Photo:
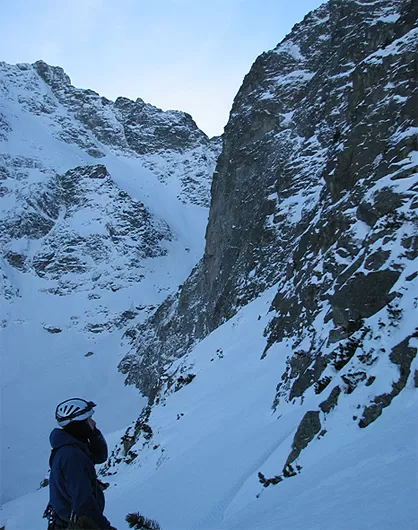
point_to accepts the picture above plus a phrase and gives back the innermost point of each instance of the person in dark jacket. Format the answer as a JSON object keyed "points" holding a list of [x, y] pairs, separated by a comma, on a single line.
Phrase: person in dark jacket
{"points": [[76, 497]]}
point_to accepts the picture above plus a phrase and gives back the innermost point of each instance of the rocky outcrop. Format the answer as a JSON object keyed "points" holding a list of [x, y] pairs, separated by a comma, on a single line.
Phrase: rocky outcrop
{"points": [[402, 355], [363, 295], [308, 428], [315, 192], [331, 401]]}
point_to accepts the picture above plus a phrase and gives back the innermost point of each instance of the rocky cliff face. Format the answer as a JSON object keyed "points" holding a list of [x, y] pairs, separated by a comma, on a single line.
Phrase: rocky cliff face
{"points": [[315, 193]]}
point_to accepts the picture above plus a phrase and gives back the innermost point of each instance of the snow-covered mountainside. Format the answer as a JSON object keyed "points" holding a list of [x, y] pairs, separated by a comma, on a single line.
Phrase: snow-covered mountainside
{"points": [[103, 208], [315, 198], [317, 177], [281, 377]]}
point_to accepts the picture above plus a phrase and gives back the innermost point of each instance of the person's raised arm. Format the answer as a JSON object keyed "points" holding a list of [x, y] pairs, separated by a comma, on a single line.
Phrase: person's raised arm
{"points": [[97, 444]]}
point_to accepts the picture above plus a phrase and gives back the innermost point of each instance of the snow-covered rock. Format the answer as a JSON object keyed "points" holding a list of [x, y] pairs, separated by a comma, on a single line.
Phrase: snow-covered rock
{"points": [[314, 192]]}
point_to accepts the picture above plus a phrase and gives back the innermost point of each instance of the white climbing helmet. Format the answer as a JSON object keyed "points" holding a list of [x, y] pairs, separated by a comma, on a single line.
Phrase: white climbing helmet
{"points": [[73, 409]]}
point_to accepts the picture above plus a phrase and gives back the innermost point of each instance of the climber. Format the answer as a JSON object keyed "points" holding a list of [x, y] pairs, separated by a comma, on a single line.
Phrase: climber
{"points": [[76, 498]]}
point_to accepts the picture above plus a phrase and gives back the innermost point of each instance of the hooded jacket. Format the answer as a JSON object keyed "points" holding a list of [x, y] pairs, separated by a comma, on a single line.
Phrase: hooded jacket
{"points": [[73, 482]]}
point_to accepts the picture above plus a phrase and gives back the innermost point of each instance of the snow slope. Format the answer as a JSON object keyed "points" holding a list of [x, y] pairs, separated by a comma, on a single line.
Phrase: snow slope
{"points": [[200, 469]]}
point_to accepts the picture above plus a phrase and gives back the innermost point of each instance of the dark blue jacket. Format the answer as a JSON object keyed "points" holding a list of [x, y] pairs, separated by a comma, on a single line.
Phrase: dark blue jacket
{"points": [[73, 482]]}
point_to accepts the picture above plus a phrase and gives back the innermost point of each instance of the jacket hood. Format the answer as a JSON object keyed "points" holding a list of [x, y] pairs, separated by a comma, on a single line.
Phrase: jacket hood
{"points": [[59, 437]]}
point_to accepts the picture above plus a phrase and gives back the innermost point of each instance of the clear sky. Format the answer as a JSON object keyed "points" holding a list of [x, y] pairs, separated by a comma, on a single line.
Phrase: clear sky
{"points": [[190, 55]]}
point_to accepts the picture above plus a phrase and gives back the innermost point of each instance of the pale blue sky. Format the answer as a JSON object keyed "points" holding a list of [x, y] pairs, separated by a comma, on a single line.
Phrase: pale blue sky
{"points": [[189, 55]]}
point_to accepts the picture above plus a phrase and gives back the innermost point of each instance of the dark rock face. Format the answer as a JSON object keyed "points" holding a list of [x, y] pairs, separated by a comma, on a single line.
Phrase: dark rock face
{"points": [[312, 192], [385, 201], [308, 428], [403, 354], [17, 260], [363, 295], [305, 378], [332, 400]]}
